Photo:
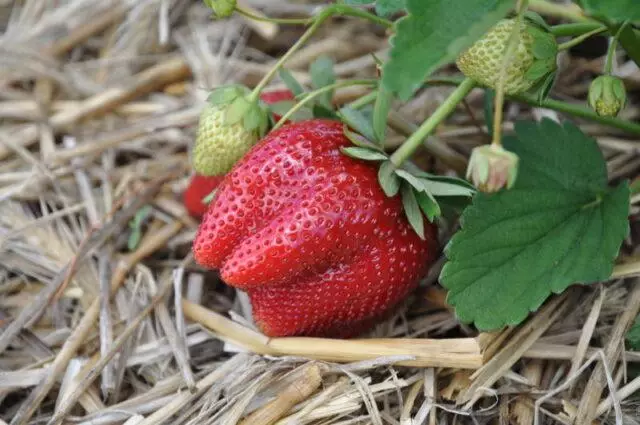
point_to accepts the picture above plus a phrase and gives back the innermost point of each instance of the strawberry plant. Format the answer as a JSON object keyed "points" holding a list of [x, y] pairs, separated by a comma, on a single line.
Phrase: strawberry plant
{"points": [[328, 229]]}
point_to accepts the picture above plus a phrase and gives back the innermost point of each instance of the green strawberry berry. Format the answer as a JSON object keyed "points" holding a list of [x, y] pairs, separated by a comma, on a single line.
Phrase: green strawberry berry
{"points": [[219, 144], [607, 96], [534, 57]]}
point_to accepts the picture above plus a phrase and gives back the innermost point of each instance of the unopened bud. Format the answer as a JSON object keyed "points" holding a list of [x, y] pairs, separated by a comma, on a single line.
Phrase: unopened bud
{"points": [[492, 168], [607, 96]]}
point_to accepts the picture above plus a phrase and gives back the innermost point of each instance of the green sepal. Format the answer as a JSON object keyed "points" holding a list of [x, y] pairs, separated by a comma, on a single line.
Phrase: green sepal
{"points": [[237, 110], [544, 44], [320, 111], [358, 121], [282, 107], [539, 69], [224, 95], [388, 179], [322, 75], [535, 19], [290, 81], [361, 141], [428, 205], [412, 209], [363, 153]]}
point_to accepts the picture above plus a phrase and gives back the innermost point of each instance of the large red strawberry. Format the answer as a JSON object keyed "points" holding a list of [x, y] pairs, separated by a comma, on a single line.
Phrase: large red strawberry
{"points": [[309, 234], [199, 187]]}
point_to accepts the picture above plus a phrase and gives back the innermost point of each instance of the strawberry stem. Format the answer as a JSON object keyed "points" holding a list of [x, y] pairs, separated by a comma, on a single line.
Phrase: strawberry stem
{"points": [[333, 10], [444, 110], [313, 94], [284, 21], [570, 12], [574, 30], [608, 65], [577, 40]]}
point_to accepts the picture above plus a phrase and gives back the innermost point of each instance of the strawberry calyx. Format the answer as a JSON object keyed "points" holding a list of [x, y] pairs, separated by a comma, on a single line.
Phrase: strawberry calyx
{"points": [[238, 106]]}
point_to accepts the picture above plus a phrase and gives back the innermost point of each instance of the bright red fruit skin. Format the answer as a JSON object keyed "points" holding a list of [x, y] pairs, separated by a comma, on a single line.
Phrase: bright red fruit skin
{"points": [[309, 234], [199, 187], [275, 96]]}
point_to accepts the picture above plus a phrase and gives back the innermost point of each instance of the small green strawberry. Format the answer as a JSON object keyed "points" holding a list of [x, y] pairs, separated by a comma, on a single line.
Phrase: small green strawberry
{"points": [[607, 96], [534, 59], [230, 124]]}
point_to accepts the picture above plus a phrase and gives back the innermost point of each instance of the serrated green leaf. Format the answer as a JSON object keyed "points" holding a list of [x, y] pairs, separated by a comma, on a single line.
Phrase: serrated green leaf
{"points": [[412, 209], [358, 121], [290, 81], [428, 205], [363, 153], [388, 179], [560, 224], [431, 35], [380, 112], [236, 111], [633, 336], [322, 75], [613, 10]]}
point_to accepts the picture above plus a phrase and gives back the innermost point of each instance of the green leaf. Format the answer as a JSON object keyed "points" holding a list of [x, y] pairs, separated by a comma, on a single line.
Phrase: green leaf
{"points": [[380, 112], [389, 180], [290, 81], [428, 205], [432, 35], [412, 209], [560, 224], [358, 121], [364, 153], [322, 75], [614, 10], [633, 336]]}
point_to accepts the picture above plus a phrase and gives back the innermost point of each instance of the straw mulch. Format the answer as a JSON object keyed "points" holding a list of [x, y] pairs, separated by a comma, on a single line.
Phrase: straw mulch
{"points": [[98, 106]]}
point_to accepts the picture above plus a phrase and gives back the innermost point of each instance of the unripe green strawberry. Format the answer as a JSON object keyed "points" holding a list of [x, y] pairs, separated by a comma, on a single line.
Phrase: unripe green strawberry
{"points": [[219, 144], [534, 57]]}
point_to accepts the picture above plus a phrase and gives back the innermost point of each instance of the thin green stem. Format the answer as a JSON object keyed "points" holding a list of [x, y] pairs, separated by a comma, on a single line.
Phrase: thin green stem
{"points": [[577, 40], [312, 95], [574, 30], [556, 105], [335, 9], [364, 100], [613, 46], [284, 21], [444, 110]]}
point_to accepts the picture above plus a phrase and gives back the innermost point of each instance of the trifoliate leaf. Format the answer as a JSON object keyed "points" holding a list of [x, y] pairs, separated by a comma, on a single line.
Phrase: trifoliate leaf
{"points": [[431, 35], [380, 112], [633, 336], [388, 179], [358, 121], [428, 205], [290, 81], [364, 153], [560, 224], [322, 75], [613, 10], [412, 209]]}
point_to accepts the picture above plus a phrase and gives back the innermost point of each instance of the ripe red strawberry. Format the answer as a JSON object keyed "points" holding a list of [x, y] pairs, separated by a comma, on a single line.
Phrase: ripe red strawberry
{"points": [[309, 234], [199, 187], [275, 96]]}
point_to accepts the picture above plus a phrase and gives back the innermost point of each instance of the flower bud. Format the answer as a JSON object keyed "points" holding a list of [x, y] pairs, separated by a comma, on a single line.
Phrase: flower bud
{"points": [[607, 96], [492, 168]]}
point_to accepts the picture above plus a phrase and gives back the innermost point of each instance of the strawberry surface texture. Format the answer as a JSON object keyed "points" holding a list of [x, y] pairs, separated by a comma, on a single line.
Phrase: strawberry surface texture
{"points": [[199, 187], [309, 234]]}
